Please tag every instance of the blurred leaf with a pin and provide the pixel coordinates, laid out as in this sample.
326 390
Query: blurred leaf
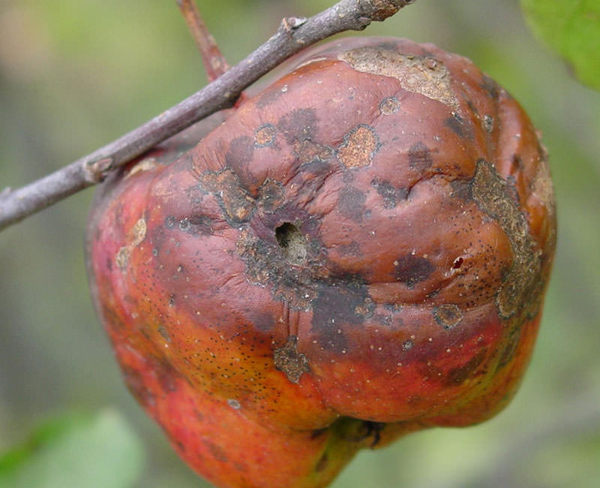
573 30
86 451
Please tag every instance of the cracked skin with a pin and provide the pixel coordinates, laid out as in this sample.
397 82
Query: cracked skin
358 252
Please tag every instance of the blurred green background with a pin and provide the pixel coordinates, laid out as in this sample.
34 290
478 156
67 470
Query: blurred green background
76 74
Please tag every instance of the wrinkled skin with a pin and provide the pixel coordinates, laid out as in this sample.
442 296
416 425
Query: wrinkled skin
360 251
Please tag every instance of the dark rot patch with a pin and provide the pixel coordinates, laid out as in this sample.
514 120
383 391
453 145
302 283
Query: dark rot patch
298 125
459 126
265 135
419 157
264 322
351 203
288 360
337 306
411 270
240 151
390 194
359 147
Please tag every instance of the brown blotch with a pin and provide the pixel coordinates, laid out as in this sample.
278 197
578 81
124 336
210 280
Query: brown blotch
265 135
419 157
521 289
448 315
411 270
288 360
359 147
424 75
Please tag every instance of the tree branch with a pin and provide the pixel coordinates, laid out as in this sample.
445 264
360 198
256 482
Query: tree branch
293 35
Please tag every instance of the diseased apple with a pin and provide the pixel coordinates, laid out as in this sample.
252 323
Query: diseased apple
358 252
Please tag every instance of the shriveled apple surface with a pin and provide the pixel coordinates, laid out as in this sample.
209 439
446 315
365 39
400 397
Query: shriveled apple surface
358 252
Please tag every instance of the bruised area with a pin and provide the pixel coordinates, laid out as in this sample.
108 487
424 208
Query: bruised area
358 252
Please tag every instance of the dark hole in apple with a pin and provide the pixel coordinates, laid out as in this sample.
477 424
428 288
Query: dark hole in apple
458 262
292 242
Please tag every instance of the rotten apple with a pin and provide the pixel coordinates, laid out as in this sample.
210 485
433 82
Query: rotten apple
358 252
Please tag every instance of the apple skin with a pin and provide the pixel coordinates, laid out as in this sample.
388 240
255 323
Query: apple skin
357 252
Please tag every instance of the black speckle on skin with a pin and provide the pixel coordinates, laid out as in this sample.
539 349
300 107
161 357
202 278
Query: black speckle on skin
419 157
351 203
411 270
389 193
459 127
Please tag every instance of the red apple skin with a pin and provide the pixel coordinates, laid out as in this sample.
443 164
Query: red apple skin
358 252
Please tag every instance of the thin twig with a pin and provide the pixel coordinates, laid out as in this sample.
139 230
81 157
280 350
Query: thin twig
293 35
214 62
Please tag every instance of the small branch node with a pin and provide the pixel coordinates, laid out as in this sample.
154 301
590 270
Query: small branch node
96 171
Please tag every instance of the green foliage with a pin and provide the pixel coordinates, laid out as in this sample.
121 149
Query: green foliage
573 30
91 451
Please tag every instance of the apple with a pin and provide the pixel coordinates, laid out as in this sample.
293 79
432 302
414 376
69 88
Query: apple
357 252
